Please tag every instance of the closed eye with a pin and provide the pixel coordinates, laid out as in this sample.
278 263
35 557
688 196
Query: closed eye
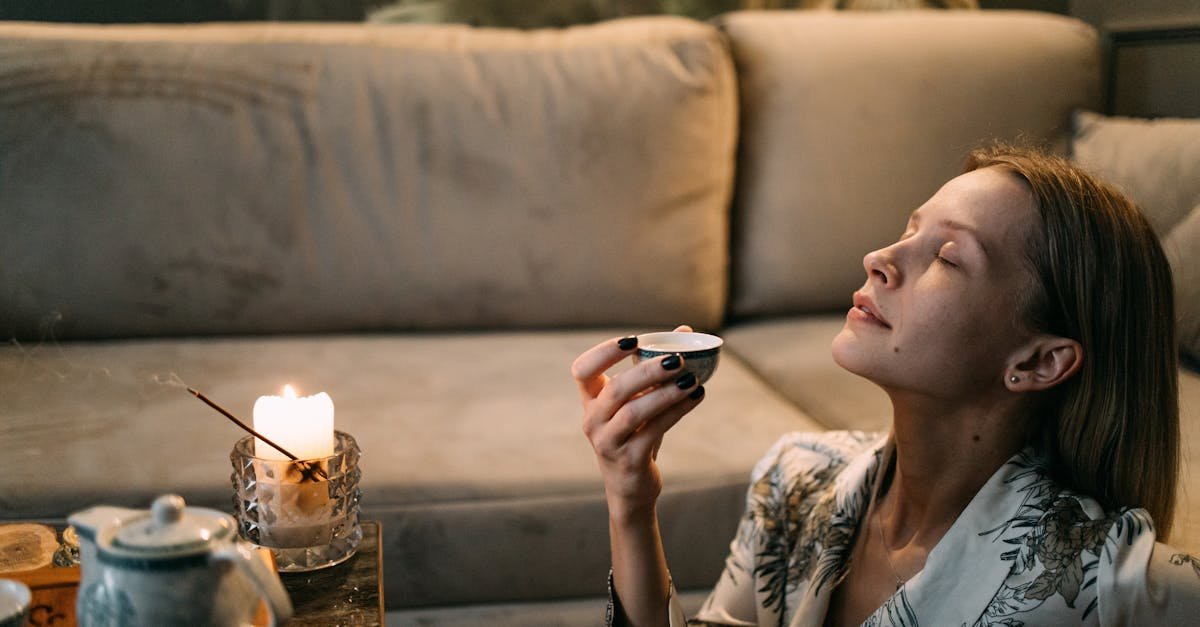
939 255
940 258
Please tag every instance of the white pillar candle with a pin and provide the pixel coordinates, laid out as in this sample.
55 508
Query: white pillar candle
303 426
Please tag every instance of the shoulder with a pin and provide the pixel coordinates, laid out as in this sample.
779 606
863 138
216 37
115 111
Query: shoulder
1143 580
1138 578
1072 558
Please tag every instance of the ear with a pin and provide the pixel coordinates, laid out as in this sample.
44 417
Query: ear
1043 363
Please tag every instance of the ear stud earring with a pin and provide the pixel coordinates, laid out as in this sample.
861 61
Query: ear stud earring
1014 379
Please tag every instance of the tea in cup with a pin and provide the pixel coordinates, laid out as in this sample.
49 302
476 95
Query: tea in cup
700 351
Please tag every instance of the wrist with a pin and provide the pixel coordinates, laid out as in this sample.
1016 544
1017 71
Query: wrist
627 514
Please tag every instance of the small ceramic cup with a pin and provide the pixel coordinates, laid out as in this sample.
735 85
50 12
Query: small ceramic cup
15 598
700 351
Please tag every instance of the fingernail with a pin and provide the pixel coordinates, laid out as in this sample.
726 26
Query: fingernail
672 362
686 381
627 343
697 393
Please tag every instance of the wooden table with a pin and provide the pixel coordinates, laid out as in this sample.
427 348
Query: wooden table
350 593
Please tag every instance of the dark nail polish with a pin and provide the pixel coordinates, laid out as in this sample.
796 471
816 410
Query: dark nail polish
686 381
672 362
627 343
697 393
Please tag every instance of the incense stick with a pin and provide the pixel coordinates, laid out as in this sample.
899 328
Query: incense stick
251 431
246 427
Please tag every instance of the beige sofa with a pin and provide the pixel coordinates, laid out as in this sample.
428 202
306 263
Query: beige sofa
430 222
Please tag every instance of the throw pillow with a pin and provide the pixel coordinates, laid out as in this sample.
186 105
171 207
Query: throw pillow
1156 162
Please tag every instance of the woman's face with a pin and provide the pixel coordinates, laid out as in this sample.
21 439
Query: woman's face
940 311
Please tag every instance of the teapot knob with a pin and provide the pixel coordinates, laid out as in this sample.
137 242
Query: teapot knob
167 509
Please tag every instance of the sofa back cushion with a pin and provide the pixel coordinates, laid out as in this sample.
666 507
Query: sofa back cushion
260 178
851 120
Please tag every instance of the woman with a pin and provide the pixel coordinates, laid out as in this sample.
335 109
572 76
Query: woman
1022 328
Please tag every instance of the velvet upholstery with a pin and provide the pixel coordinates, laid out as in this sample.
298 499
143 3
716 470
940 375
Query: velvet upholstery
1157 163
304 178
1182 246
851 121
473 458
430 222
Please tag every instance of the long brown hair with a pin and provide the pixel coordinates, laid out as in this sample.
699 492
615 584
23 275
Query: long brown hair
1112 430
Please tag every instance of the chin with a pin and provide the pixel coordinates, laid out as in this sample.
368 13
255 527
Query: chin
847 352
856 357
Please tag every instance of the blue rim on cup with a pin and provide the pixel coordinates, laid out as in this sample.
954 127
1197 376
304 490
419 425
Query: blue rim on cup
700 351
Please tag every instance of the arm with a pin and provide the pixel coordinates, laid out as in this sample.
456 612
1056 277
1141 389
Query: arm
641 579
625 418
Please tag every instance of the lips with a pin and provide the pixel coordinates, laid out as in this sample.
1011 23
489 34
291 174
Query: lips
865 309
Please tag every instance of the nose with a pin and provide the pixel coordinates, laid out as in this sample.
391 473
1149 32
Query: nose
879 267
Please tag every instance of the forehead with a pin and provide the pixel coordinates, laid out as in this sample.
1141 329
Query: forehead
994 203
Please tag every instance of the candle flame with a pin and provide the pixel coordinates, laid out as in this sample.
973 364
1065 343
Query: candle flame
288 392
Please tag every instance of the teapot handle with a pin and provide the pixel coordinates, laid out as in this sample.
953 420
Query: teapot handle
261 570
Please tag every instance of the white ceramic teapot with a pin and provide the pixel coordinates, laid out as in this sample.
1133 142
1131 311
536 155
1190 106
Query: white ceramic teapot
171 565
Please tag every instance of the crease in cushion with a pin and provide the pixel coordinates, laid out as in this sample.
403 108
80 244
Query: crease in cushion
1182 247
169 180
1156 162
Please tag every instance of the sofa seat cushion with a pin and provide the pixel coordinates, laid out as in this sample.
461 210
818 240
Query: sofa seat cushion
792 355
295 178
473 458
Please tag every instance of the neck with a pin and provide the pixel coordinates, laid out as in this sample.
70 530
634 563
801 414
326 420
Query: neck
944 454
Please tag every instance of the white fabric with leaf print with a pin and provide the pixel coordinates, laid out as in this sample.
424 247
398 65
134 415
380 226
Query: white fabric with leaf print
1024 552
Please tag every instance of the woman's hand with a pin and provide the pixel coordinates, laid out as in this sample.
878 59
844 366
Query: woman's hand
626 416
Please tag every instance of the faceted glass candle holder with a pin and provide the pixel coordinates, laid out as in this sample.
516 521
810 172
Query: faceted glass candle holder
304 511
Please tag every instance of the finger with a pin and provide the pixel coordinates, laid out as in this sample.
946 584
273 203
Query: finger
588 369
660 424
627 393
630 416
634 383
648 439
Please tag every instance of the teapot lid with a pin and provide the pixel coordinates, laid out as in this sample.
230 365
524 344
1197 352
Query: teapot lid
171 527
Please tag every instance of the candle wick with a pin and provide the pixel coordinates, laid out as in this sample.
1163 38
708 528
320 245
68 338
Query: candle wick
251 431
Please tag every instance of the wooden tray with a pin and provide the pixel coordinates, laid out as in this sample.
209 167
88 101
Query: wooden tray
27 554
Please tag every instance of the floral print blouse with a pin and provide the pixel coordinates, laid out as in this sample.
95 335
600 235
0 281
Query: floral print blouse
1024 551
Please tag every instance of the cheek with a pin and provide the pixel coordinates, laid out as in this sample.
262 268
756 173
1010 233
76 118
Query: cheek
976 336
929 322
